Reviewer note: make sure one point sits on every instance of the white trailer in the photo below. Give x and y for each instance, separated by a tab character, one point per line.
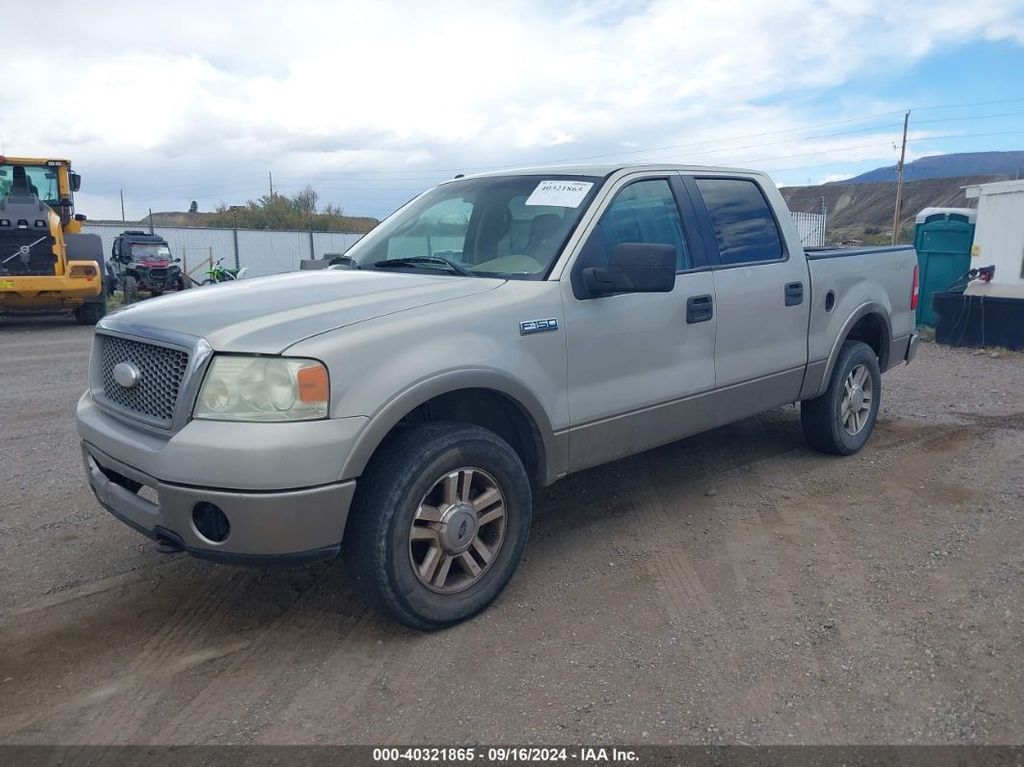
999	237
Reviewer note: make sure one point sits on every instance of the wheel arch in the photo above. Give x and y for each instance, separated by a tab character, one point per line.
869	323
485	398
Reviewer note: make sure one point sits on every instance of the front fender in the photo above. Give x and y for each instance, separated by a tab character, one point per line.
555	447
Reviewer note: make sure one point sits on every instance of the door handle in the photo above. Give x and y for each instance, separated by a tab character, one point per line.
699	308
794	293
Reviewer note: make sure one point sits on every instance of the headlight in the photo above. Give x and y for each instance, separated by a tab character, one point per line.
248	388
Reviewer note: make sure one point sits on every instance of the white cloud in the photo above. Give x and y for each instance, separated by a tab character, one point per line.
198	99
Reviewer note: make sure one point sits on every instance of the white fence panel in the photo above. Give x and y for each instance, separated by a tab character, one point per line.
811	228
262	251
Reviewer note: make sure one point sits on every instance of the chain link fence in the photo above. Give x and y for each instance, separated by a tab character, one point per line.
262	251
811	228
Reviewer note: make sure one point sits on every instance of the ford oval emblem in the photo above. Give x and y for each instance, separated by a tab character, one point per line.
126	374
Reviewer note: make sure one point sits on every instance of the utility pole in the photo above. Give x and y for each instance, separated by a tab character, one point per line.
234	233
122	205
312	250
270	175
824	222
899	181
151	221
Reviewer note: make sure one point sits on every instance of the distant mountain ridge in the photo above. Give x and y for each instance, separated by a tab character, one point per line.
1009	164
863	211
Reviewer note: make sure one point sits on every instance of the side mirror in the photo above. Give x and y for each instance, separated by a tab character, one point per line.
76	181
634	267
177	261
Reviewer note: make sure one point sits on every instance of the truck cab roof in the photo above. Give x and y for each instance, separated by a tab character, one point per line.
604	170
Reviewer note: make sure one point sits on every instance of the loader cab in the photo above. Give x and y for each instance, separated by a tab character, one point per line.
51	181
28	228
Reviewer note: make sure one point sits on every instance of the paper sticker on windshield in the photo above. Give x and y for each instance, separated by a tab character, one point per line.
562	194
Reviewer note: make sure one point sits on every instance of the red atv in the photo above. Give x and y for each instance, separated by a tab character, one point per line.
141	261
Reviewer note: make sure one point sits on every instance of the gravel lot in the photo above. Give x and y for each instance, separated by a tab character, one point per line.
733	587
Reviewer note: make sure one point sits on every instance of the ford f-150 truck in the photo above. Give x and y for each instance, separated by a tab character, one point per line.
493	335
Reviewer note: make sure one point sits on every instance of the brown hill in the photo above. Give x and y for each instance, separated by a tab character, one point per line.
863	211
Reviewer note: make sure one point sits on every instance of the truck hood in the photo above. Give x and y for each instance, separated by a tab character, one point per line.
266	315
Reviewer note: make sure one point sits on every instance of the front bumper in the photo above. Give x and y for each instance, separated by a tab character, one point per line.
46	294
288	527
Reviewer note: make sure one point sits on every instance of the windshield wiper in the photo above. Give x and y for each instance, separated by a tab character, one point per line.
415	260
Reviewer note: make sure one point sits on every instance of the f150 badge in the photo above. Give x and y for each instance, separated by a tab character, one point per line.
537	326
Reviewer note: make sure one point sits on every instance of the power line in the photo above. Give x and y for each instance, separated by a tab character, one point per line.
794	129
399	183
862	118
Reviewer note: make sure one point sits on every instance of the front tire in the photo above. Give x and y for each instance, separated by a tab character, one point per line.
439	524
131	289
841	420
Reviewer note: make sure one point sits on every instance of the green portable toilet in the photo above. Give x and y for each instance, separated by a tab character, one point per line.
943	239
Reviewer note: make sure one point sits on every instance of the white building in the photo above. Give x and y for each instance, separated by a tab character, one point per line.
999	237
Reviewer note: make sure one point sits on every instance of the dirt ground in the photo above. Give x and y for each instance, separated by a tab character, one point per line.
731	588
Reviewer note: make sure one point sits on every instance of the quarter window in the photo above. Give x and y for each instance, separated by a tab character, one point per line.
744	226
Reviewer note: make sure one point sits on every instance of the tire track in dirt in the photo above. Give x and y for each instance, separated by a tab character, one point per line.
687	601
179	644
689	588
129	694
284	656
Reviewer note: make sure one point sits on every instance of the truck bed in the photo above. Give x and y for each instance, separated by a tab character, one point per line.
816	253
858	278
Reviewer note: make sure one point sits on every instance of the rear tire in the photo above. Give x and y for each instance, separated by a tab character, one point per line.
841	420
439	524
90	313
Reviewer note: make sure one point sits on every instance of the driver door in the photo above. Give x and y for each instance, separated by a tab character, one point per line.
640	365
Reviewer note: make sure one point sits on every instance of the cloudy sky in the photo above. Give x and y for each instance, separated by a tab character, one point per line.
370	102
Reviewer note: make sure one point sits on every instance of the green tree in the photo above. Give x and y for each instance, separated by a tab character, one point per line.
299	211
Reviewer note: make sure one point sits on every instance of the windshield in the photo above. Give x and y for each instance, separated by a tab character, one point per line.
150	251
42	181
500	226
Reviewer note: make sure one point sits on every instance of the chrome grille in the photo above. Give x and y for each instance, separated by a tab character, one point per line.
161	376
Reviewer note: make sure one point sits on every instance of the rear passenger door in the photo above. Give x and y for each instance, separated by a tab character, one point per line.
640	365
762	296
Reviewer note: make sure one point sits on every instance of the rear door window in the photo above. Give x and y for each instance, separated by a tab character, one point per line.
744	226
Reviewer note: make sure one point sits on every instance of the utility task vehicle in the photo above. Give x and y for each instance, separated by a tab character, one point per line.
141	261
47	265
492	336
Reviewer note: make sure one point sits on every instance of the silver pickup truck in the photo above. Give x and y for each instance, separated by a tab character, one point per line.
495	334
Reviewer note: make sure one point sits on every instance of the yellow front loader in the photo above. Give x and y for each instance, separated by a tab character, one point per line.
47	265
